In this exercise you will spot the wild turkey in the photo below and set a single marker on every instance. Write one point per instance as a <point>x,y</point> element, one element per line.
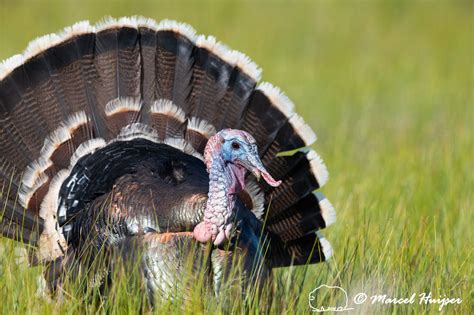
<point>135,135</point>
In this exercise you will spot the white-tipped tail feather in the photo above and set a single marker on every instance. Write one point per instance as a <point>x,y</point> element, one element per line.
<point>49,206</point>
<point>318,167</point>
<point>79,28</point>
<point>10,64</point>
<point>110,22</point>
<point>137,130</point>
<point>87,147</point>
<point>41,44</point>
<point>232,57</point>
<point>249,67</point>
<point>175,26</point>
<point>278,98</point>
<point>210,43</point>
<point>52,243</point>
<point>303,129</point>
<point>26,192</point>
<point>76,120</point>
<point>327,209</point>
<point>326,246</point>
<point>34,170</point>
<point>166,107</point>
<point>33,178</point>
<point>201,126</point>
<point>54,140</point>
<point>145,22</point>
<point>123,104</point>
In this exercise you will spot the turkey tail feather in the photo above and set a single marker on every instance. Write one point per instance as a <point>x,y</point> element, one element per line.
<point>267,112</point>
<point>210,82</point>
<point>311,213</point>
<point>19,224</point>
<point>309,249</point>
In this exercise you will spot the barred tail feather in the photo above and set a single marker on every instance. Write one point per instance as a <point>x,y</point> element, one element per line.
<point>267,112</point>
<point>309,249</point>
<point>311,213</point>
<point>167,119</point>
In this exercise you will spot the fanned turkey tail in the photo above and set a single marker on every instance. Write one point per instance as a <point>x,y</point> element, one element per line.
<point>73,93</point>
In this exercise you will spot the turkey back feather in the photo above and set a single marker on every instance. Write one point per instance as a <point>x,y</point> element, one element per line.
<point>83,110</point>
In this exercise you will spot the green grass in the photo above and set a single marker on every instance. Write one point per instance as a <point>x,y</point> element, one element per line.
<point>388,88</point>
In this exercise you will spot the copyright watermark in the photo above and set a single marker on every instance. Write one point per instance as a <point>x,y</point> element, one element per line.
<point>421,299</point>
<point>425,298</point>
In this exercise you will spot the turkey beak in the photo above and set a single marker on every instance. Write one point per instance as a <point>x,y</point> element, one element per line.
<point>254,165</point>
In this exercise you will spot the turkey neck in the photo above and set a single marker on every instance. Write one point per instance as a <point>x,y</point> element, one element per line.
<point>223,187</point>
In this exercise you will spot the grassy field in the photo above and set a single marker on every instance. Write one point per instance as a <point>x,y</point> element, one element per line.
<point>388,88</point>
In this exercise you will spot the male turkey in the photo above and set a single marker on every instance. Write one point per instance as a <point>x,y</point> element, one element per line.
<point>133,135</point>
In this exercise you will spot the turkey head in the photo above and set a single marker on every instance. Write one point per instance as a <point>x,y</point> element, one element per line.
<point>229,155</point>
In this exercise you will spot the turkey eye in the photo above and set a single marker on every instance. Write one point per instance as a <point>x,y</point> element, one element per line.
<point>235,145</point>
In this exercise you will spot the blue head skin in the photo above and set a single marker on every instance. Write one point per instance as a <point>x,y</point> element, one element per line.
<point>239,151</point>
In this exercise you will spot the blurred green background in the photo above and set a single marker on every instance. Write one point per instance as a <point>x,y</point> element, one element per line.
<point>388,88</point>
